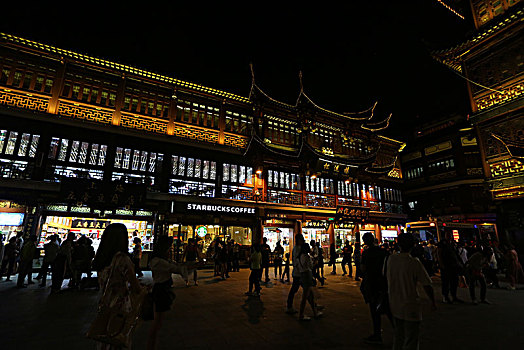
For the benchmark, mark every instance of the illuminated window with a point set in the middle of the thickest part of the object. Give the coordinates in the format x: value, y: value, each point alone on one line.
x: 24, y: 143
x: 118, y: 157
x: 181, y: 166
x: 174, y: 163
x: 225, y: 174
x: 94, y: 154
x: 53, y: 148
x: 152, y: 161
x: 190, y: 166
x: 198, y: 167
x: 4, y: 75
x: 34, y: 146
x: 102, y: 155
x: 83, y: 152
x: 143, y: 161
x: 213, y: 171
x: 136, y: 160
x: 74, y: 151
x: 10, y: 148
x: 126, y: 158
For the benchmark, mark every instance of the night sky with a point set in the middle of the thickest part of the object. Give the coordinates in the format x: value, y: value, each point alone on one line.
x: 351, y: 55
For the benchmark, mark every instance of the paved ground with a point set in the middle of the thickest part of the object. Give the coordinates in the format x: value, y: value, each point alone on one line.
x: 217, y: 315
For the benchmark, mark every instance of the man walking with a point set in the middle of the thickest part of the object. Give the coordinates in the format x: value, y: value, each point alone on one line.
x: 403, y: 274
x: 374, y: 286
x: 299, y: 241
x: 347, y: 251
x: 450, y: 267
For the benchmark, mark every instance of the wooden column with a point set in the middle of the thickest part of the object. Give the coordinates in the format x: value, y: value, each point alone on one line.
x: 119, y: 102
x: 58, y: 85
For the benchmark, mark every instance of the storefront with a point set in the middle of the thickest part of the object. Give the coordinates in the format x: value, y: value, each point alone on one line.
x: 206, y: 221
x: 344, y: 232
x: 83, y: 221
x: 12, y: 217
x: 317, y: 230
x: 276, y: 230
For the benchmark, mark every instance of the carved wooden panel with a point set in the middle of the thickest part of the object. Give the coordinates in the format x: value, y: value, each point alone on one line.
x: 154, y: 125
x: 77, y: 111
x: 23, y: 100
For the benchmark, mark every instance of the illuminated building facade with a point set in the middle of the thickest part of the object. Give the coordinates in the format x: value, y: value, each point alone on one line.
x: 444, y: 180
x: 90, y: 140
x: 492, y: 62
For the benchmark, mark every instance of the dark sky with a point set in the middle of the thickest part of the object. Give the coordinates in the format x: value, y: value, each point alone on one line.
x: 351, y: 55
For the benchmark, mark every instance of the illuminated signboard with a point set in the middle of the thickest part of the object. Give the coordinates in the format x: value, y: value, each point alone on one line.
x: 348, y: 212
x: 11, y: 219
x: 90, y: 224
x: 456, y: 236
x: 220, y: 208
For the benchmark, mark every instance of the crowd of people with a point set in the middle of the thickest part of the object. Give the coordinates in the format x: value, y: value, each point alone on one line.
x: 388, y: 273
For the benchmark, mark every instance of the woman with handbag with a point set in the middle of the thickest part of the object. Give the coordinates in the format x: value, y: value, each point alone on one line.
x: 163, y: 295
x: 119, y: 304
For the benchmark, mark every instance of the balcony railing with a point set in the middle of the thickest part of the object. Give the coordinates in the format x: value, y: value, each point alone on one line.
x: 284, y: 197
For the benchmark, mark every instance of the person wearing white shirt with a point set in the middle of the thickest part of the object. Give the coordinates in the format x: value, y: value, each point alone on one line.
x: 403, y: 274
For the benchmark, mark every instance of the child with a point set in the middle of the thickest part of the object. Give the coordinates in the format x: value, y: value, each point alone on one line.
x: 286, y: 269
x: 256, y: 271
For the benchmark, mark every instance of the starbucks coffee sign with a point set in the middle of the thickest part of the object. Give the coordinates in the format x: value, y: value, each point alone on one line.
x: 219, y: 208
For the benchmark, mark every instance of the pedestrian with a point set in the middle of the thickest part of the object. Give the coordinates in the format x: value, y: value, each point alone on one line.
x: 26, y: 262
x: 305, y: 266
x: 278, y: 255
x: 357, y: 255
x: 451, y: 266
x: 333, y: 258
x: 115, y: 271
x: 299, y: 241
x: 315, y: 253
x: 137, y: 255
x: 190, y: 256
x: 286, y: 269
x: 163, y: 295
x: 474, y: 266
x: 80, y: 260
x: 8, y: 260
x: 462, y: 252
x: 236, y: 256
x: 347, y: 252
x: 265, y: 249
x: 50, y: 252
x: 403, y: 273
x: 374, y: 286
x: 222, y: 258
x: 490, y: 271
x: 62, y: 266
x: 515, y: 272
x: 255, y: 265
x: 321, y: 263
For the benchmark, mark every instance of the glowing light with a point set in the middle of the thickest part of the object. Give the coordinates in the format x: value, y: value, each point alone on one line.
x: 451, y: 9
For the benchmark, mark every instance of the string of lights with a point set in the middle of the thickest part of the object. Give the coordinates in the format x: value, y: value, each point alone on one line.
x: 450, y: 9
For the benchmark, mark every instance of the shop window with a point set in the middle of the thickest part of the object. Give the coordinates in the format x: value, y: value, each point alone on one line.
x: 319, y: 185
x: 191, y: 188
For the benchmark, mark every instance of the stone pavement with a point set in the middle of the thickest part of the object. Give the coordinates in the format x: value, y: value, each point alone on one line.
x: 217, y: 315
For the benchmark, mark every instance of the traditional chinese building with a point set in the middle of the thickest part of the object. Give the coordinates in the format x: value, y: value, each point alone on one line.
x: 491, y: 60
x: 85, y: 141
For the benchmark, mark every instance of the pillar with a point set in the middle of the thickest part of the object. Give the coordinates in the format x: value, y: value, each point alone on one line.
x: 378, y: 233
